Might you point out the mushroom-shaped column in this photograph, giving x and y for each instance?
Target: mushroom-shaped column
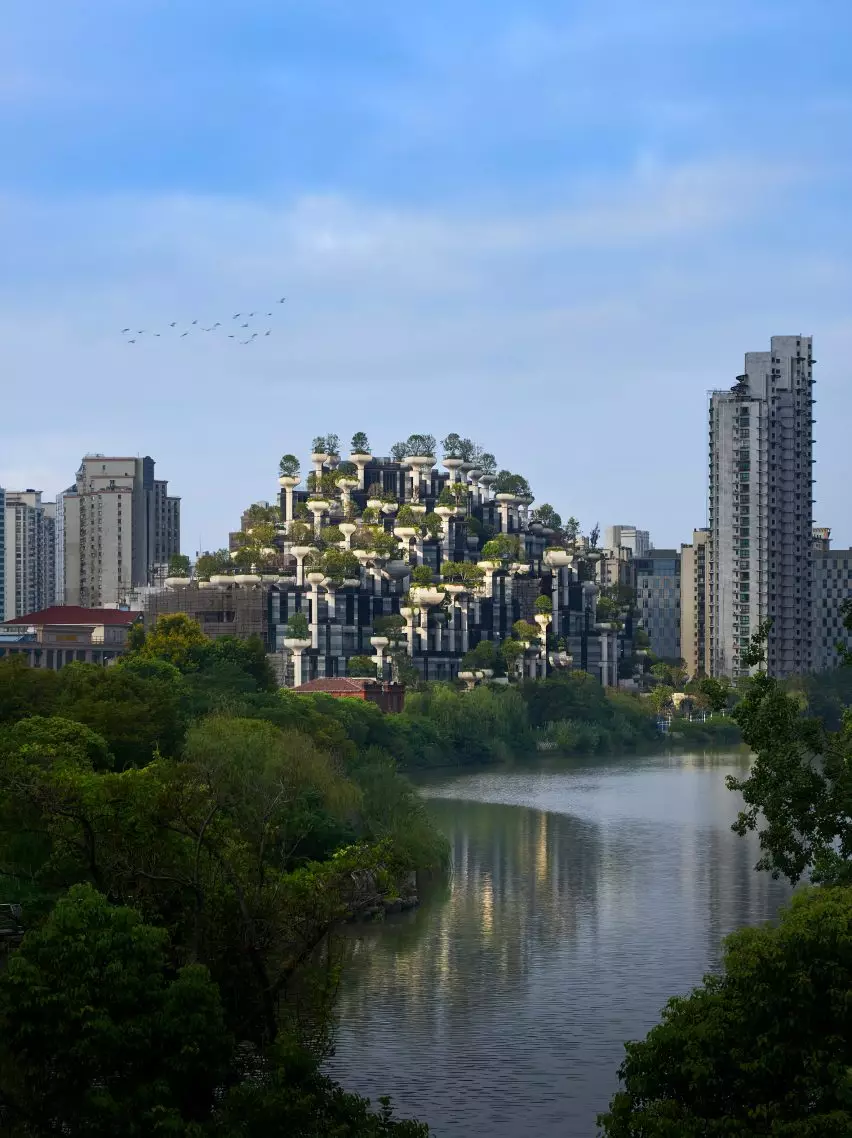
(605, 629)
(380, 644)
(347, 529)
(543, 619)
(318, 507)
(425, 598)
(408, 611)
(504, 504)
(486, 481)
(315, 580)
(300, 552)
(288, 484)
(490, 568)
(453, 464)
(360, 458)
(419, 464)
(445, 513)
(455, 593)
(347, 485)
(468, 679)
(297, 646)
(319, 459)
(474, 476)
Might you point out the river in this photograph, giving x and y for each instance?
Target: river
(583, 896)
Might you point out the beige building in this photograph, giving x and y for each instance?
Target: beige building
(29, 560)
(118, 524)
(694, 586)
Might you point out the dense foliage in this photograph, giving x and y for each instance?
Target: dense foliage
(764, 1048)
(184, 839)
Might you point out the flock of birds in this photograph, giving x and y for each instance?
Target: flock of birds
(131, 335)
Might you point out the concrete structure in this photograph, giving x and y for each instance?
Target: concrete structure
(119, 523)
(388, 697)
(29, 562)
(60, 543)
(694, 642)
(761, 510)
(638, 541)
(616, 567)
(658, 590)
(65, 634)
(832, 585)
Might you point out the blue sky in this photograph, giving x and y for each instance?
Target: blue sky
(550, 226)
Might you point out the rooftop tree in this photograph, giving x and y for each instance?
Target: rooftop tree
(360, 444)
(289, 466)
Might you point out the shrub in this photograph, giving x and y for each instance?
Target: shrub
(543, 604)
(361, 666)
(289, 466)
(297, 627)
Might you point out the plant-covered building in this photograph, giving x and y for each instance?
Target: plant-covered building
(374, 566)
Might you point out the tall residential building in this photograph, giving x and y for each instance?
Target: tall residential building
(119, 522)
(761, 509)
(832, 585)
(29, 563)
(658, 599)
(638, 541)
(694, 641)
(60, 544)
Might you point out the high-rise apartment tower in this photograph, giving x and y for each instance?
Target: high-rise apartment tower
(760, 510)
(29, 563)
(119, 523)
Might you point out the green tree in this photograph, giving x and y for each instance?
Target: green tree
(289, 466)
(99, 1035)
(421, 575)
(298, 627)
(210, 563)
(502, 547)
(543, 604)
(572, 529)
(361, 666)
(177, 639)
(660, 698)
(545, 515)
(765, 1048)
(25, 690)
(178, 565)
(360, 443)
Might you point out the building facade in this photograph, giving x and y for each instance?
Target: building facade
(66, 634)
(2, 552)
(694, 642)
(832, 586)
(760, 510)
(118, 524)
(638, 541)
(401, 523)
(29, 563)
(658, 600)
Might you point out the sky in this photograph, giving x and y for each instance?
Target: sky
(550, 226)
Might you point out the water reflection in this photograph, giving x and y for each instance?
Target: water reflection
(581, 899)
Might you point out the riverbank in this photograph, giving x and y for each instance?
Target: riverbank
(442, 726)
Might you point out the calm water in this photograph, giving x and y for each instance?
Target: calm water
(582, 897)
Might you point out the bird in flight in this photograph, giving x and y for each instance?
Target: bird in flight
(254, 335)
(195, 322)
(269, 314)
(140, 332)
(252, 314)
(173, 324)
(283, 298)
(184, 334)
(231, 336)
(131, 341)
(269, 333)
(123, 330)
(157, 334)
(236, 316)
(244, 325)
(217, 325)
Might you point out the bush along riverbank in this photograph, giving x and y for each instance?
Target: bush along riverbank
(569, 715)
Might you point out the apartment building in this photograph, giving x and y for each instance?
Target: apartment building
(832, 585)
(658, 599)
(118, 523)
(29, 558)
(694, 641)
(638, 541)
(760, 509)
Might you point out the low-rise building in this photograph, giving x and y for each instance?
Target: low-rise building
(832, 585)
(67, 634)
(388, 697)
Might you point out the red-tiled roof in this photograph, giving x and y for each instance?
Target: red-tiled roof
(338, 683)
(74, 614)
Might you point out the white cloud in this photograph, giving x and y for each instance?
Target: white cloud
(577, 343)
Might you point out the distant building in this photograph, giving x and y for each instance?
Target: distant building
(60, 544)
(821, 539)
(65, 634)
(29, 562)
(658, 598)
(832, 585)
(638, 541)
(118, 524)
(387, 696)
(2, 551)
(761, 510)
(694, 644)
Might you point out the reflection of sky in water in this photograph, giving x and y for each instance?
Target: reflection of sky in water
(582, 897)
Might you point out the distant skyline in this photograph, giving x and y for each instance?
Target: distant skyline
(551, 227)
